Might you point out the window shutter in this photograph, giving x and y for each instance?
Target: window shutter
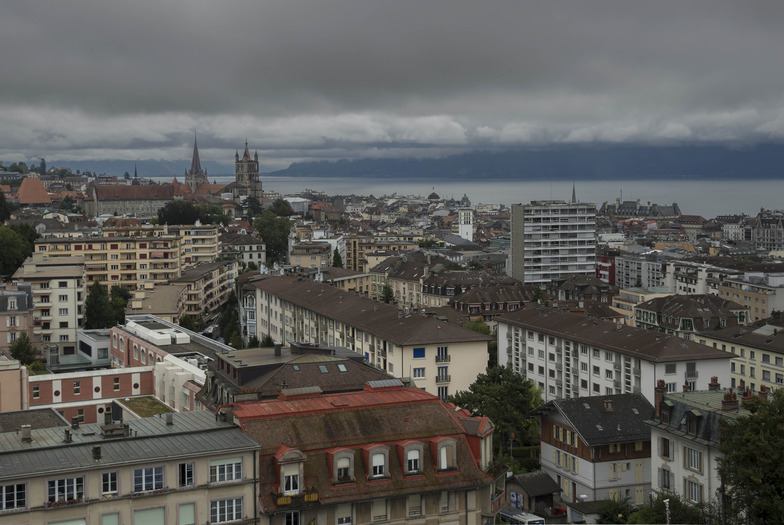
(555, 457)
(660, 477)
(659, 443)
(576, 464)
(672, 479)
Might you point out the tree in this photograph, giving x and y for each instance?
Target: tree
(212, 214)
(67, 203)
(14, 249)
(752, 448)
(507, 399)
(478, 326)
(98, 312)
(22, 349)
(680, 511)
(5, 213)
(267, 341)
(187, 322)
(43, 166)
(253, 342)
(119, 297)
(178, 212)
(275, 232)
(254, 206)
(252, 267)
(612, 511)
(387, 294)
(337, 260)
(281, 207)
(638, 282)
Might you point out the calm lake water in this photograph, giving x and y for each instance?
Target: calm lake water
(695, 197)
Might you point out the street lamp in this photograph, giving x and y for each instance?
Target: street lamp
(667, 510)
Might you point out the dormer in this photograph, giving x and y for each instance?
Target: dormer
(291, 466)
(411, 454)
(377, 461)
(693, 418)
(342, 463)
(445, 453)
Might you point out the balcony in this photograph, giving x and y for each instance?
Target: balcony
(691, 374)
(297, 500)
(443, 378)
(441, 358)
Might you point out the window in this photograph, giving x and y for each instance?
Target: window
(692, 459)
(446, 455)
(185, 478)
(323, 369)
(63, 298)
(378, 465)
(116, 384)
(443, 393)
(670, 368)
(343, 469)
(13, 496)
(615, 448)
(77, 388)
(666, 479)
(292, 518)
(608, 374)
(80, 415)
(68, 489)
(412, 461)
(583, 367)
(225, 510)
(145, 479)
(693, 491)
(109, 483)
(291, 484)
(419, 373)
(596, 371)
(36, 391)
(419, 353)
(343, 513)
(225, 470)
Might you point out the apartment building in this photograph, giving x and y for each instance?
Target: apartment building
(628, 298)
(59, 290)
(552, 239)
(762, 293)
(439, 357)
(685, 436)
(599, 447)
(184, 468)
(757, 352)
(199, 243)
(569, 355)
(639, 271)
(689, 315)
(244, 248)
(135, 262)
(311, 254)
(385, 454)
(207, 287)
(687, 277)
(16, 315)
(358, 245)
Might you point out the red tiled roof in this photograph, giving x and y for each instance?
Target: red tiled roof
(161, 192)
(32, 191)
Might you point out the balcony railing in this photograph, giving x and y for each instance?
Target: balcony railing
(443, 378)
(441, 358)
(297, 500)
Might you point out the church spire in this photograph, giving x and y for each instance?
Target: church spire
(195, 164)
(574, 193)
(246, 155)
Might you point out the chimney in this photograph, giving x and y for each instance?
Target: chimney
(714, 383)
(67, 435)
(75, 422)
(686, 386)
(608, 405)
(763, 392)
(730, 401)
(97, 452)
(659, 391)
(278, 345)
(27, 436)
(169, 418)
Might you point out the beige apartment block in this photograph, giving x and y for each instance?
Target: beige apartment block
(207, 287)
(439, 357)
(16, 315)
(59, 290)
(182, 468)
(763, 294)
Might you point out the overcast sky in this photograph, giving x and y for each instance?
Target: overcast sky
(331, 79)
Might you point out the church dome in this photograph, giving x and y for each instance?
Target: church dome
(433, 197)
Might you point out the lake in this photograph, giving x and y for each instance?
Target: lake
(695, 197)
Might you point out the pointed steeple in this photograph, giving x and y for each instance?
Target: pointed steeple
(574, 193)
(195, 164)
(246, 155)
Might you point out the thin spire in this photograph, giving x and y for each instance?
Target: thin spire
(195, 164)
(246, 155)
(574, 192)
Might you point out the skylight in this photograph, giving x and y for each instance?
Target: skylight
(322, 369)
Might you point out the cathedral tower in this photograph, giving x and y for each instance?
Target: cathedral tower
(246, 170)
(195, 177)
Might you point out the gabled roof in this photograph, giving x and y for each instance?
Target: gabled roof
(537, 483)
(162, 192)
(604, 419)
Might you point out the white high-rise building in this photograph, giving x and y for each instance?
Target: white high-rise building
(553, 239)
(465, 219)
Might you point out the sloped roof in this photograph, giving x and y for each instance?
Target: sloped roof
(378, 318)
(32, 191)
(163, 192)
(635, 342)
(537, 483)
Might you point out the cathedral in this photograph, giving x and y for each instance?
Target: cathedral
(195, 177)
(246, 177)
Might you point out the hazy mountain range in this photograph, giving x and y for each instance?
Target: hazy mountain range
(579, 162)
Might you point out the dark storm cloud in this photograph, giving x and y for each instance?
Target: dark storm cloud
(327, 79)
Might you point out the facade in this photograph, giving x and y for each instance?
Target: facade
(357, 246)
(246, 171)
(386, 454)
(311, 254)
(689, 315)
(757, 352)
(13, 377)
(599, 447)
(439, 357)
(16, 315)
(137, 201)
(465, 221)
(684, 438)
(185, 468)
(207, 287)
(761, 293)
(552, 239)
(628, 298)
(639, 271)
(569, 355)
(768, 232)
(59, 291)
(245, 248)
(687, 277)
